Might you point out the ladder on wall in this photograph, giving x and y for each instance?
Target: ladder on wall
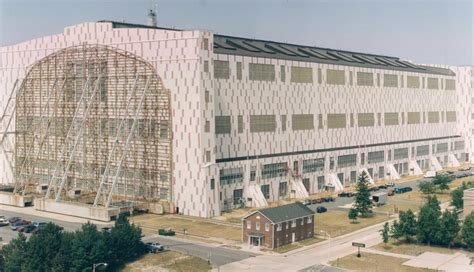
(66, 156)
(107, 187)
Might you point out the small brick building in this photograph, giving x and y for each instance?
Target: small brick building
(275, 227)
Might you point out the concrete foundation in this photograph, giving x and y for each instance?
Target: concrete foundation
(77, 209)
(8, 198)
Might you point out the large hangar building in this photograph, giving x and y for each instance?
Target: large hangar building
(111, 114)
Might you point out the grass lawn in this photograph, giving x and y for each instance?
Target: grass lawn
(374, 262)
(194, 227)
(167, 261)
(337, 223)
(415, 249)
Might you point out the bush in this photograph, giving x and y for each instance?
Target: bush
(166, 232)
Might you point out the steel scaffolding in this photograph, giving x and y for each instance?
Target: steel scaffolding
(93, 123)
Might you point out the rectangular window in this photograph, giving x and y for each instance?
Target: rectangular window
(376, 156)
(336, 120)
(240, 124)
(206, 66)
(208, 156)
(207, 126)
(253, 173)
(164, 130)
(321, 183)
(442, 147)
(313, 165)
(365, 79)
(262, 123)
(257, 225)
(400, 153)
(231, 175)
(433, 117)
(302, 122)
(459, 145)
(335, 77)
(351, 78)
(433, 83)
(213, 184)
(422, 150)
(249, 224)
(274, 170)
(320, 121)
(206, 97)
(450, 84)
(413, 118)
(413, 82)
(267, 227)
(205, 43)
(222, 124)
(221, 69)
(282, 73)
(320, 76)
(301, 74)
(283, 123)
(283, 189)
(365, 119)
(390, 80)
(239, 70)
(353, 178)
(293, 223)
(309, 220)
(262, 72)
(450, 116)
(278, 227)
(346, 160)
(265, 190)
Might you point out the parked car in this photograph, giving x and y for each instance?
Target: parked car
(450, 172)
(430, 174)
(391, 184)
(13, 219)
(3, 222)
(462, 175)
(27, 228)
(383, 186)
(154, 247)
(106, 229)
(402, 190)
(321, 209)
(307, 202)
(345, 194)
(313, 201)
(18, 224)
(319, 200)
(329, 199)
(391, 191)
(465, 169)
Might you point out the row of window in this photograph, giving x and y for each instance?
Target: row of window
(266, 72)
(273, 170)
(268, 123)
(288, 224)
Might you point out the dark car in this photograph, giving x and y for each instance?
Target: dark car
(383, 186)
(18, 224)
(106, 229)
(313, 201)
(402, 190)
(321, 209)
(329, 199)
(13, 219)
(450, 172)
(345, 194)
(27, 228)
(154, 247)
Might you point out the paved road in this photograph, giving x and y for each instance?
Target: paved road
(218, 255)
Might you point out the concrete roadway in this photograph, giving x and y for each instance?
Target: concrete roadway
(218, 255)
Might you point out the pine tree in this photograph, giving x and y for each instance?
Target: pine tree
(396, 231)
(449, 228)
(408, 224)
(363, 203)
(14, 253)
(467, 233)
(353, 213)
(428, 221)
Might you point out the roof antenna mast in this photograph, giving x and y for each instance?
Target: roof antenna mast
(152, 20)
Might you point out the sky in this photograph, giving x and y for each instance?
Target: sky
(423, 31)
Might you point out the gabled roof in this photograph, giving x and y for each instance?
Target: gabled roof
(269, 49)
(286, 212)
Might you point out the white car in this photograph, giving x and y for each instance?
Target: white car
(3, 222)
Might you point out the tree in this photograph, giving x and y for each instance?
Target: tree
(458, 193)
(353, 214)
(363, 203)
(426, 187)
(428, 220)
(88, 247)
(441, 182)
(408, 224)
(396, 231)
(14, 253)
(467, 233)
(449, 228)
(385, 232)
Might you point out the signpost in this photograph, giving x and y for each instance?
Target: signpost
(358, 245)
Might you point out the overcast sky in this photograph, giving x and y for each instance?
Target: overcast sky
(424, 31)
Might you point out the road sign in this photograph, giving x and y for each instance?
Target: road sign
(358, 244)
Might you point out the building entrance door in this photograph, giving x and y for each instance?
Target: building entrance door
(255, 241)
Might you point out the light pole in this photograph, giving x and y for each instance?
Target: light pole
(94, 266)
(329, 239)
